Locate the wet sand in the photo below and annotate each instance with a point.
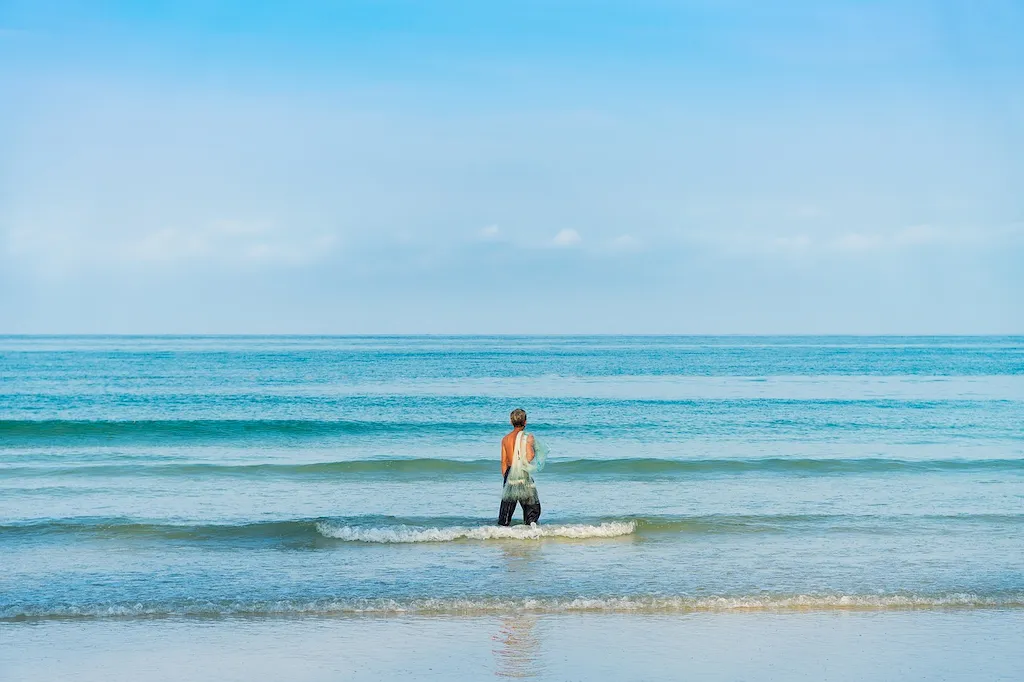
(933, 644)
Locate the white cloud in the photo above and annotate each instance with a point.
(491, 232)
(625, 242)
(167, 244)
(793, 243)
(919, 236)
(856, 241)
(567, 237)
(807, 212)
(230, 242)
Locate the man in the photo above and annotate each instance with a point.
(517, 455)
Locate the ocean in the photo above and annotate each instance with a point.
(248, 487)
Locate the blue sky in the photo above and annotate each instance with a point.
(499, 167)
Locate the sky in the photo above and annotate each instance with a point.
(562, 167)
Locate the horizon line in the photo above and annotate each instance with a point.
(500, 335)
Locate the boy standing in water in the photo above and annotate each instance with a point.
(517, 454)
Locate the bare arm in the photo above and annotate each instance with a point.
(530, 454)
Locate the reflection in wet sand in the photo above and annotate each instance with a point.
(518, 647)
(517, 644)
(519, 556)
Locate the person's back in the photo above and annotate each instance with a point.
(517, 455)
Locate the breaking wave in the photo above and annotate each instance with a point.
(28, 431)
(495, 605)
(405, 534)
(392, 530)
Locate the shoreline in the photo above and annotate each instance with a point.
(841, 645)
(526, 608)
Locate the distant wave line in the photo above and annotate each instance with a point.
(620, 468)
(212, 429)
(49, 434)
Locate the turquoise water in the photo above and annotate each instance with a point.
(209, 476)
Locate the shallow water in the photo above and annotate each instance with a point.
(211, 476)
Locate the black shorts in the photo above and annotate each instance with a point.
(531, 512)
(531, 509)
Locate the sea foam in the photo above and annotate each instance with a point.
(404, 534)
(496, 605)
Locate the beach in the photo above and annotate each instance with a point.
(945, 645)
(324, 508)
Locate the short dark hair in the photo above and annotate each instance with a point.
(518, 417)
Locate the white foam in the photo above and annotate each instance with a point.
(540, 605)
(403, 534)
